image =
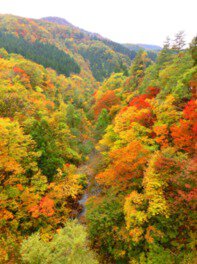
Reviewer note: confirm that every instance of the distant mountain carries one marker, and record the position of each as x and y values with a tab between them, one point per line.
150	47
147	47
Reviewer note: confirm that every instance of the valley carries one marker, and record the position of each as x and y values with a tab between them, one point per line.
97	147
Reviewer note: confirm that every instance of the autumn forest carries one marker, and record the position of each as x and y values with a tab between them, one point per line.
97	147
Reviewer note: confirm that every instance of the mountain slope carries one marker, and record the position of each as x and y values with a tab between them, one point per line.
95	55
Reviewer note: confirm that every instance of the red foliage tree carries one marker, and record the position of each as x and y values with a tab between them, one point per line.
108	100
140	102
185	133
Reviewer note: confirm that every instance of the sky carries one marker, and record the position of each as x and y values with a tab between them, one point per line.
123	21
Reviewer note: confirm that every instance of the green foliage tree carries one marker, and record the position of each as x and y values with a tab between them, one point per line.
137	71
102	123
179	42
69	246
193	49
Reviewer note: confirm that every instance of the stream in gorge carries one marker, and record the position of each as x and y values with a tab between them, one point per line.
88	169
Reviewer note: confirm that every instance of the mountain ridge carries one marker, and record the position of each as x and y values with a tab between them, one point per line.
130	46
64	22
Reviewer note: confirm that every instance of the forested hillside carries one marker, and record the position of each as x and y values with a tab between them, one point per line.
121	150
93	54
45	54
